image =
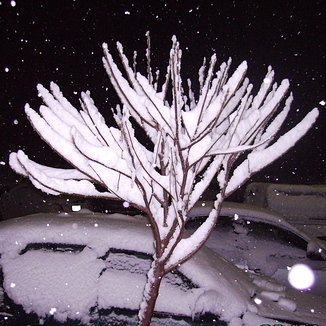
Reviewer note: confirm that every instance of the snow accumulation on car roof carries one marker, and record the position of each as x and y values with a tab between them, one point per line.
83	228
81	281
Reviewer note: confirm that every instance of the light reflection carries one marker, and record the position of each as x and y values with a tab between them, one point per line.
76	208
52	311
301	276
257	301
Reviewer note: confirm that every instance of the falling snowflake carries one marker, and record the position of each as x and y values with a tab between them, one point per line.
125	204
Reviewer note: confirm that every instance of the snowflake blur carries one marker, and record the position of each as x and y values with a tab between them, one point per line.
301	277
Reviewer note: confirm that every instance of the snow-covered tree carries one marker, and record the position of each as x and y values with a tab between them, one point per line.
223	131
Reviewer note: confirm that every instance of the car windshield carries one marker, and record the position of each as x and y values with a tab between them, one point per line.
254	245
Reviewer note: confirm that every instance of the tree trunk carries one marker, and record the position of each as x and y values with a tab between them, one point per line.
151	292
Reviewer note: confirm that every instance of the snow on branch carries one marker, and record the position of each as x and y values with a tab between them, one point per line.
258	159
225	121
193	139
55	181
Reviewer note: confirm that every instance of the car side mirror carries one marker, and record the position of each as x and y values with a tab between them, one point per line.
315	252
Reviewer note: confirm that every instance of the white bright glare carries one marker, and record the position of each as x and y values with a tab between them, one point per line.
257	301
52	311
301	276
76	208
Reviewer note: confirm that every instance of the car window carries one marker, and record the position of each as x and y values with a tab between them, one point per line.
117	259
176	278
54	247
140	263
258	231
257	246
270	232
132	261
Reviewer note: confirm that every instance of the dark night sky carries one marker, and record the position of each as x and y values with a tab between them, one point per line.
43	41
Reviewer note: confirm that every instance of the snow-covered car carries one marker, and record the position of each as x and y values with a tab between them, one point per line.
262	241
302	205
68	265
297	203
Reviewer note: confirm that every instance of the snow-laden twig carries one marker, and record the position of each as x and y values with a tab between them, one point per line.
190	140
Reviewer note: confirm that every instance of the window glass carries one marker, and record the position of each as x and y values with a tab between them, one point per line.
257	246
55	247
128	260
140	263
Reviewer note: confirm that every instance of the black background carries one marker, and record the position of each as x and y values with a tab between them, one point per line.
61	41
